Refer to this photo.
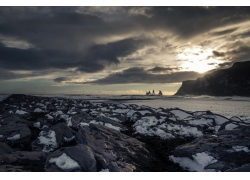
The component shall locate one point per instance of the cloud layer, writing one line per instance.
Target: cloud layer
(120, 45)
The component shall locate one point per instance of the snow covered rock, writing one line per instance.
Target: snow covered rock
(15, 133)
(75, 158)
(53, 137)
(233, 143)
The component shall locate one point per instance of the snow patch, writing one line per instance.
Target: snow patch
(48, 116)
(65, 162)
(104, 170)
(37, 124)
(112, 127)
(199, 162)
(83, 124)
(21, 112)
(48, 139)
(69, 139)
(38, 110)
(239, 148)
(15, 137)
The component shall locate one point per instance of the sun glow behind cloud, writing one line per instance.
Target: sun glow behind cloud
(195, 58)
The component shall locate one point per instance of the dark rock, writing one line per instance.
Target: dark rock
(12, 119)
(81, 154)
(15, 133)
(25, 161)
(113, 148)
(225, 82)
(2, 108)
(5, 149)
(63, 135)
(244, 168)
(222, 147)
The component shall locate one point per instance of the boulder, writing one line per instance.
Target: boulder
(218, 148)
(25, 160)
(113, 150)
(75, 158)
(5, 149)
(51, 138)
(15, 133)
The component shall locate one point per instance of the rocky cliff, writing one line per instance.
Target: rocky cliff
(226, 82)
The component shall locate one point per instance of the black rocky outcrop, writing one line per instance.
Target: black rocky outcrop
(226, 82)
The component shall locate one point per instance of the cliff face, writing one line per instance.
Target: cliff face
(226, 82)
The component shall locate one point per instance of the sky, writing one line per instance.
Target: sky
(117, 49)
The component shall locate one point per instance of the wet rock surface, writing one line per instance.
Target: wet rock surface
(57, 134)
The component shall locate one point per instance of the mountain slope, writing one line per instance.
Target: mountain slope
(226, 82)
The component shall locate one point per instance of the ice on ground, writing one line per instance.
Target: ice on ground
(201, 160)
(69, 139)
(180, 114)
(112, 127)
(48, 139)
(37, 124)
(104, 170)
(15, 137)
(201, 122)
(230, 126)
(1, 136)
(21, 112)
(64, 162)
(38, 110)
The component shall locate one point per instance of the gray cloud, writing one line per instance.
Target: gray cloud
(227, 31)
(62, 79)
(158, 69)
(140, 75)
(218, 54)
(90, 39)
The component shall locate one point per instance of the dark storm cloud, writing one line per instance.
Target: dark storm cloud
(99, 55)
(240, 53)
(189, 21)
(227, 31)
(218, 54)
(92, 60)
(33, 59)
(62, 38)
(158, 69)
(140, 75)
(62, 79)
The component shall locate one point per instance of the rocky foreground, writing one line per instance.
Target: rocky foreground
(56, 134)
